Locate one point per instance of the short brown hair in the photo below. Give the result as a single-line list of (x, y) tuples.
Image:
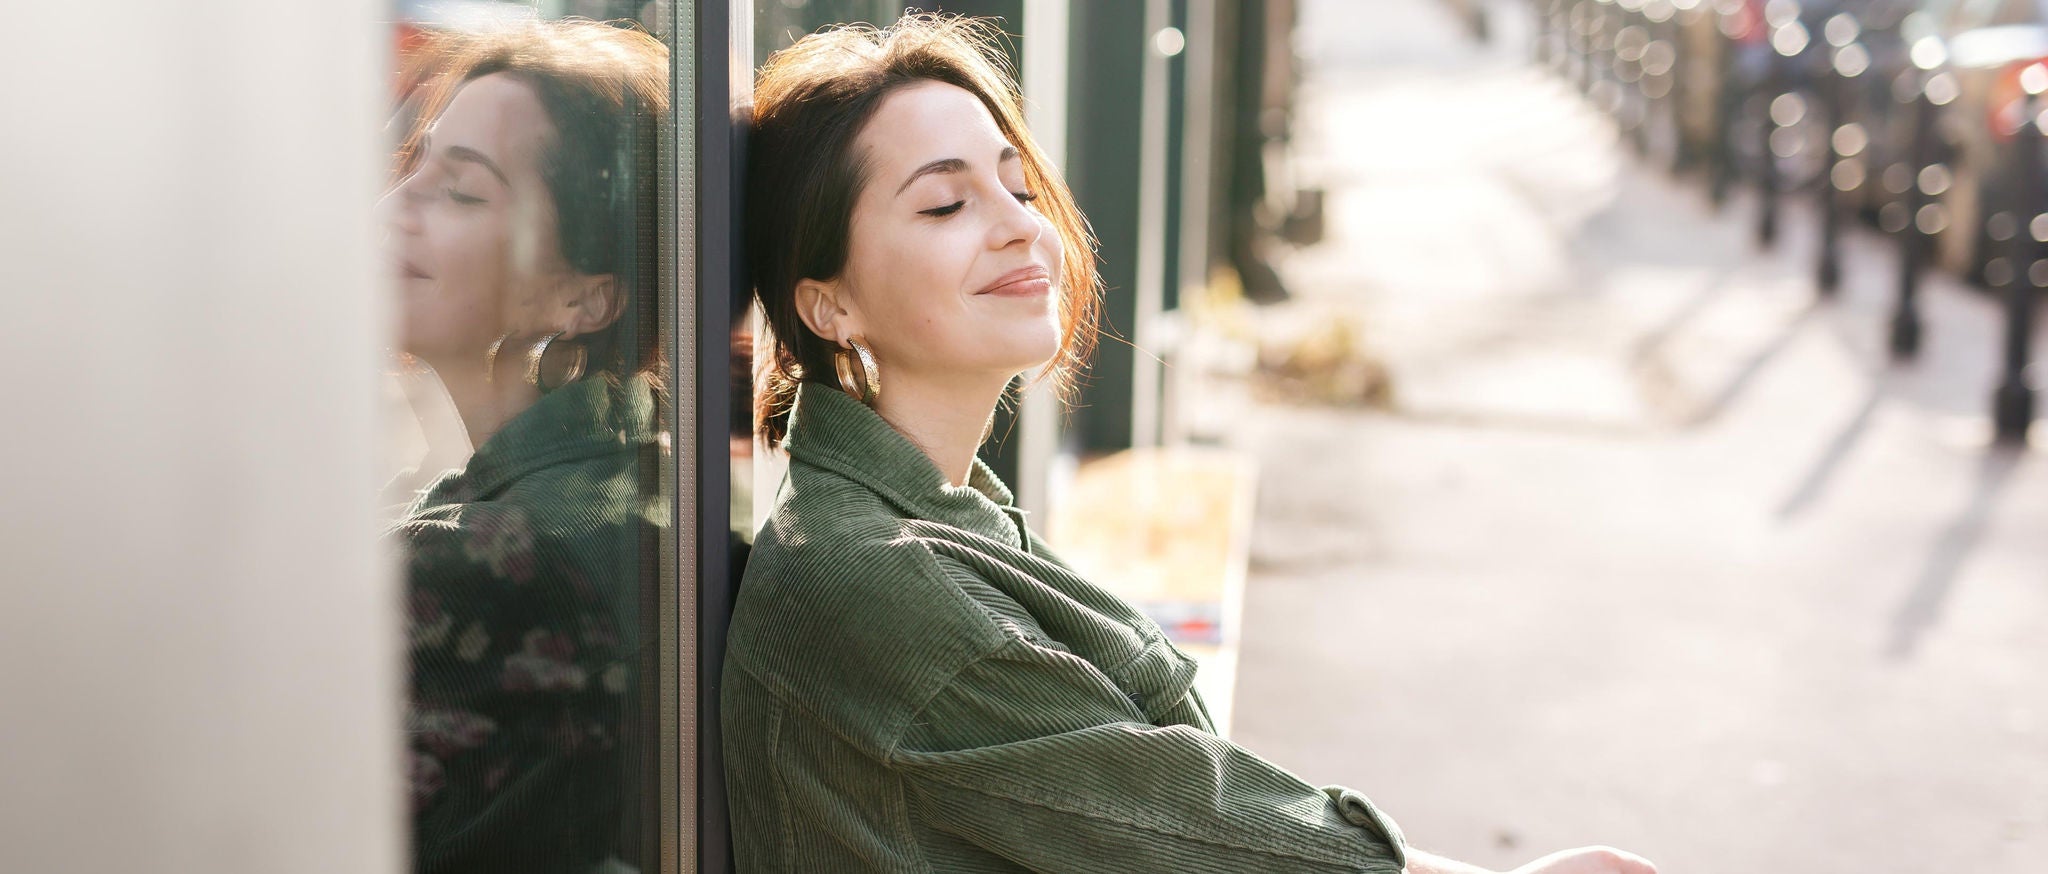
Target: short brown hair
[(605, 88), (803, 177)]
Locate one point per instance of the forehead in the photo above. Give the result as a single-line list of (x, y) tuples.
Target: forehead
[(926, 122), (499, 116)]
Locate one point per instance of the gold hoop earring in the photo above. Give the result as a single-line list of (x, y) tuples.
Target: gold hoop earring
[(868, 385), (491, 357), (579, 359)]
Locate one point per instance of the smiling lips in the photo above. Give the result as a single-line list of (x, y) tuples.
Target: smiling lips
[(1022, 282)]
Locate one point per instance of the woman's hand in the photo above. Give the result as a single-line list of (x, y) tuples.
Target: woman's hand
[(1589, 860)]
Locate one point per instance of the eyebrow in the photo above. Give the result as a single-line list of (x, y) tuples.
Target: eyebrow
[(464, 153), (951, 165)]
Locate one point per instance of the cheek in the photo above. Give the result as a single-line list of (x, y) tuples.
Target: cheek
[(474, 260), (531, 247), (910, 278), (460, 307)]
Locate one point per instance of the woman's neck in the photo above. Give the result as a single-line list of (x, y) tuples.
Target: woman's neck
[(485, 404), (947, 420)]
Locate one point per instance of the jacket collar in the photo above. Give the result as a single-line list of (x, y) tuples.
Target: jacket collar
[(830, 430), (588, 418)]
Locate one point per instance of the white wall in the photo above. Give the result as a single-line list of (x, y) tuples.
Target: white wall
[(199, 655)]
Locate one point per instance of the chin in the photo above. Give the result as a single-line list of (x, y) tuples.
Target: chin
[(1034, 354)]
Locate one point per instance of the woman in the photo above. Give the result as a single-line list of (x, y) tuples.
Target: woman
[(913, 681), (523, 240)]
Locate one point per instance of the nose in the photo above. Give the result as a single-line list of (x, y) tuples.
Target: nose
[(399, 207), (1015, 222)]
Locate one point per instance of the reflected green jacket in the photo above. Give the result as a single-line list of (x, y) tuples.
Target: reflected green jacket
[(524, 575), (914, 683)]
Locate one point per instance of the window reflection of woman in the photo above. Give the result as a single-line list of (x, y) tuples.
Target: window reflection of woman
[(913, 681), (521, 234), (492, 243)]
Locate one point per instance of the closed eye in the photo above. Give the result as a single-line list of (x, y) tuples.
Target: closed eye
[(951, 208)]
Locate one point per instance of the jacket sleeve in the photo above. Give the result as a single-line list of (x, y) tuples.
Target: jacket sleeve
[(1034, 754)]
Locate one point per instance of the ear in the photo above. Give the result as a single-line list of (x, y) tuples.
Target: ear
[(590, 304), (827, 310)]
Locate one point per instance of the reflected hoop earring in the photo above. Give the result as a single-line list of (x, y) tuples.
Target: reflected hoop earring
[(867, 386), (491, 357), (534, 357)]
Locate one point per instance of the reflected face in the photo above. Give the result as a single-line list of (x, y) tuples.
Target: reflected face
[(473, 238), (950, 269)]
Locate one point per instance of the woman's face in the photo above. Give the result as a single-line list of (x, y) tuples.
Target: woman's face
[(950, 271), (473, 234)]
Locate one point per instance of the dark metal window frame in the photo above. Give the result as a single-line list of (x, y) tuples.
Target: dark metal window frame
[(701, 264)]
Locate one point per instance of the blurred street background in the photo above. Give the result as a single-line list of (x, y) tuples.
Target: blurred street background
[(1623, 533)]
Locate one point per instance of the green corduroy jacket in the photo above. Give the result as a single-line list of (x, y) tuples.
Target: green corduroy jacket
[(914, 682)]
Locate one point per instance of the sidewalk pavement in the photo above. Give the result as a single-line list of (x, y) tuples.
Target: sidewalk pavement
[(1651, 549)]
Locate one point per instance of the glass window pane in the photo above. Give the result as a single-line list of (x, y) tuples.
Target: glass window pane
[(531, 419)]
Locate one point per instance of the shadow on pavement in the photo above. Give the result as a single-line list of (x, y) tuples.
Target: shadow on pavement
[(1822, 471), (1753, 366), (1931, 586)]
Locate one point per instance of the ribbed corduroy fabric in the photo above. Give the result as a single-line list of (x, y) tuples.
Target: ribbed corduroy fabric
[(914, 683)]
